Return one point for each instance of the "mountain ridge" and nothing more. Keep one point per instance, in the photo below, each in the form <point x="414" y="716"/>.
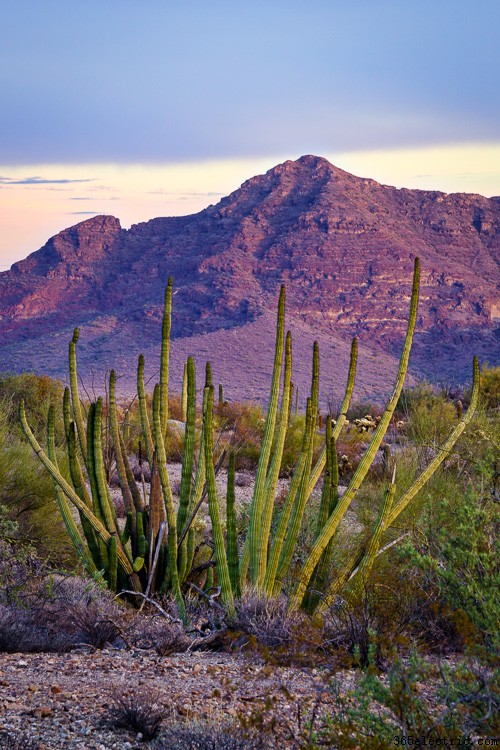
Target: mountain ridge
<point x="343" y="245"/>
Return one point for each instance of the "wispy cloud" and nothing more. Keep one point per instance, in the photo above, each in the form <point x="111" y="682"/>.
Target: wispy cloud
<point x="38" y="181"/>
<point x="184" y="194"/>
<point x="84" y="213"/>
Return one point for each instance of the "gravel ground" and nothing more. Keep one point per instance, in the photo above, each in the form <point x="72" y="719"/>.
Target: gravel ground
<point x="63" y="701"/>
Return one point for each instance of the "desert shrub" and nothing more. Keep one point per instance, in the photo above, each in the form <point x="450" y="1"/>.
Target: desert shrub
<point x="490" y="388"/>
<point x="139" y="711"/>
<point x="38" y="393"/>
<point x="428" y="415"/>
<point x="44" y="611"/>
<point x="267" y="627"/>
<point x="155" y="631"/>
<point x="465" y="701"/>
<point x="204" y="737"/>
<point x="244" y="422"/>
<point x="456" y="554"/>
<point x="371" y="621"/>
<point x="359" y="409"/>
<point x="27" y="492"/>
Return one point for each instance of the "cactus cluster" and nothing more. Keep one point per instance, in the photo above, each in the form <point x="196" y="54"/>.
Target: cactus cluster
<point x="155" y="550"/>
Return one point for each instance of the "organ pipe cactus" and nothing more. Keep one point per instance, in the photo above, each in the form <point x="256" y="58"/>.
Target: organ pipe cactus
<point x="257" y="549"/>
<point x="213" y="506"/>
<point x="155" y="548"/>
<point x="75" y="398"/>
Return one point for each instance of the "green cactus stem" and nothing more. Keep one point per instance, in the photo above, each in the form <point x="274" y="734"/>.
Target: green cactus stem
<point x="168" y="500"/>
<point x="112" y="562"/>
<point x="273" y="474"/>
<point x="115" y="434"/>
<point x="333" y="522"/>
<point x="165" y="355"/>
<point x="341" y="419"/>
<point x="256" y="542"/>
<point x="73" y="497"/>
<point x="184" y="397"/>
<point x="81" y="490"/>
<point x="302" y="496"/>
<point x="366" y="564"/>
<point x="232" y="536"/>
<point x="62" y="503"/>
<point x="329" y="500"/>
<point x="136" y="495"/>
<point x="107" y="507"/>
<point x="75" y="398"/>
<point x="143" y="409"/>
<point x="213" y="507"/>
<point x="188" y="453"/>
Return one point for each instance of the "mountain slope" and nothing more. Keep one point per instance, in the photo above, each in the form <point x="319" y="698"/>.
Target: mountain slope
<point x="344" y="246"/>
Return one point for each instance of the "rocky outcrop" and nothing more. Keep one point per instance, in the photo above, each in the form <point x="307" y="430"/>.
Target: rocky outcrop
<point x="344" y="246"/>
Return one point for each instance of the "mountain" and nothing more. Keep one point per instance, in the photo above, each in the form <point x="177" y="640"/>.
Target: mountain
<point x="344" y="246"/>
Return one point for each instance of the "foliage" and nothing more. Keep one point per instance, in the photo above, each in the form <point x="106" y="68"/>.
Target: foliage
<point x="381" y="709"/>
<point x="37" y="391"/>
<point x="27" y="494"/>
<point x="455" y="553"/>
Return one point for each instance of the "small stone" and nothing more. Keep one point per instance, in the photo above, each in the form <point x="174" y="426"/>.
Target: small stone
<point x="55" y="689"/>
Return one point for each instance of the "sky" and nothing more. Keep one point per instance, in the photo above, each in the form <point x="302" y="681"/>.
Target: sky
<point x="160" y="108"/>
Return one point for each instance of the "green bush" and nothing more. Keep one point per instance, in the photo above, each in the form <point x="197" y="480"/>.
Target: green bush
<point x="414" y="700"/>
<point x="27" y="491"/>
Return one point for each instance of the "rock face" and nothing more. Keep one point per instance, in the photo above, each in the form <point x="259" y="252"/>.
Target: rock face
<point x="344" y="247"/>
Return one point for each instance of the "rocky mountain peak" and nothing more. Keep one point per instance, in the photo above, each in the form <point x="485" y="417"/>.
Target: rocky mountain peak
<point x="343" y="246"/>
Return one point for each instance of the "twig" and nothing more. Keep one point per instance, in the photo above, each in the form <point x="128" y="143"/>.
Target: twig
<point x="198" y="505"/>
<point x="210" y="598"/>
<point x="150" y="601"/>
<point x="161" y="533"/>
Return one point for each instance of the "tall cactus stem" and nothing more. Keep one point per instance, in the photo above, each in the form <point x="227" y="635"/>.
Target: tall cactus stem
<point x="333" y="522"/>
<point x="143" y="409"/>
<point x="165" y="355"/>
<point x="62" y="503"/>
<point x="115" y="434"/>
<point x="341" y="419"/>
<point x="112" y="562"/>
<point x="213" y="507"/>
<point x="168" y="500"/>
<point x="232" y="536"/>
<point x="257" y="550"/>
<point x="273" y="474"/>
<point x="75" y="398"/>
<point x="188" y="452"/>
<point x="300" y="502"/>
<point x="184" y="397"/>
<point x="107" y="507"/>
